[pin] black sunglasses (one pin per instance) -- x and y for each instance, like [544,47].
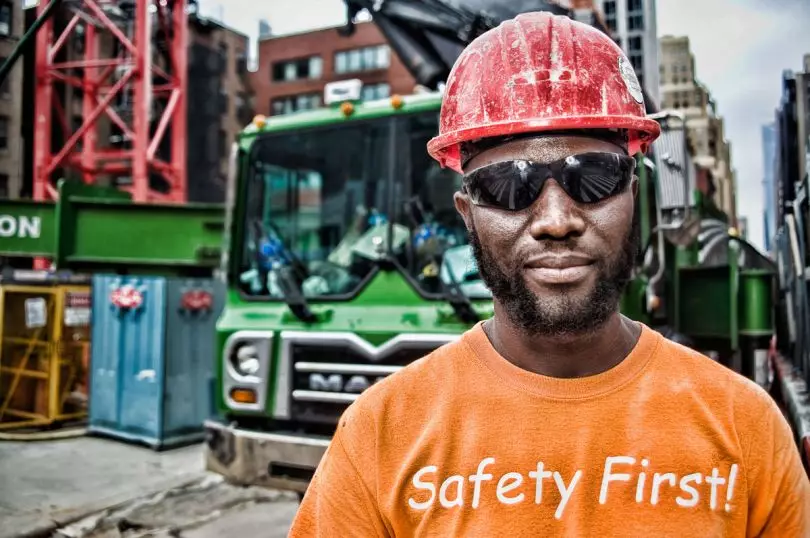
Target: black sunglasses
[587,178]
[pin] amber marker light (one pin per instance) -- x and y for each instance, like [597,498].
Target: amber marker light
[243,396]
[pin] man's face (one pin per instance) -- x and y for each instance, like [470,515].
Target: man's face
[559,267]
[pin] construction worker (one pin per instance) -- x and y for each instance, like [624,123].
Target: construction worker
[558,416]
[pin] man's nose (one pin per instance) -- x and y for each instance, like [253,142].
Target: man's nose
[555,214]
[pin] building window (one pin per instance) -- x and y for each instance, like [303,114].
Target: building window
[371,92]
[223,101]
[635,15]
[365,59]
[301,69]
[610,14]
[5,19]
[241,62]
[4,186]
[315,67]
[294,103]
[637,60]
[5,91]
[3,132]
[223,144]
[634,44]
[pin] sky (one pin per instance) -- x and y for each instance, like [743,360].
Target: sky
[741,48]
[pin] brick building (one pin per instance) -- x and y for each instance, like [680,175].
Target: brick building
[220,104]
[293,69]
[11,144]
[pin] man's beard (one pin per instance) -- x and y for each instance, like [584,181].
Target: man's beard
[559,313]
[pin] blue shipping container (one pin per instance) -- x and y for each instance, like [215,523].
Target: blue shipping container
[152,359]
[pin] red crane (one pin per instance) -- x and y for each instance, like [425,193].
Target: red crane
[131,71]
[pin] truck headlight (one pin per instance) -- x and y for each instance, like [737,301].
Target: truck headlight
[246,360]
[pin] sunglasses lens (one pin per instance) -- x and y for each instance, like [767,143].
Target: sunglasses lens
[515,185]
[591,178]
[512,185]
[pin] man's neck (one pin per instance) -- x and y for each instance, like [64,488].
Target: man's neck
[566,356]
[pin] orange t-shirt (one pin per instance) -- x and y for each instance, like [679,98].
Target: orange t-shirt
[464,443]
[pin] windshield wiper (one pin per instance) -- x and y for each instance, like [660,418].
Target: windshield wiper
[451,291]
[454,295]
[294,296]
[291,291]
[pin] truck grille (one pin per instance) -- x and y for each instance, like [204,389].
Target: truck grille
[326,373]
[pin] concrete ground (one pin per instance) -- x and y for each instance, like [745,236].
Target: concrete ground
[254,520]
[92,488]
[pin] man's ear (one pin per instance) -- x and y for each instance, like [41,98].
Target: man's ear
[462,203]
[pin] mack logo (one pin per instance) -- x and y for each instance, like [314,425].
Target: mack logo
[340,383]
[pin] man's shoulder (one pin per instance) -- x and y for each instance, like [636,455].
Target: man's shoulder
[711,378]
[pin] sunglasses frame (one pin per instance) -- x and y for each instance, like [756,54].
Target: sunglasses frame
[614,163]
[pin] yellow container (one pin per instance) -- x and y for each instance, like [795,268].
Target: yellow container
[44,354]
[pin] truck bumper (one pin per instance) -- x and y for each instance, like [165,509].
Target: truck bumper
[273,460]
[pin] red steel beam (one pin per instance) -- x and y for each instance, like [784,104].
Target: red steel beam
[63,37]
[164,122]
[179,122]
[142,102]
[89,90]
[43,111]
[88,63]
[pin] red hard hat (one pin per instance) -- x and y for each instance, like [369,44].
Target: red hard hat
[540,72]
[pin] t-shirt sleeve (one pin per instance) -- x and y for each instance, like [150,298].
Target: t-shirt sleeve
[341,497]
[779,489]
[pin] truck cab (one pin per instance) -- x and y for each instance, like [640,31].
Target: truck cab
[347,261]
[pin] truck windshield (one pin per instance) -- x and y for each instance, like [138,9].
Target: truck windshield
[439,247]
[320,205]
[315,203]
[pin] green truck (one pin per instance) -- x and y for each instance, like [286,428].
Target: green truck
[347,261]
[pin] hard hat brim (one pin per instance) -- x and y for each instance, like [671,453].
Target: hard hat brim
[445,148]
